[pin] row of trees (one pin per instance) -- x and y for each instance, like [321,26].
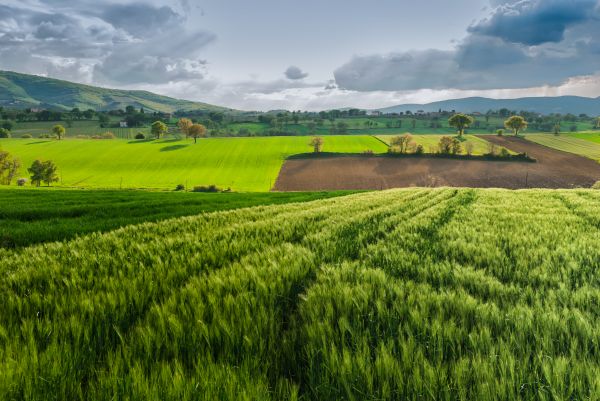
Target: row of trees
[40,171]
[463,121]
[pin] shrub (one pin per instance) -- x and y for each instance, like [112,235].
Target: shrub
[180,187]
[210,188]
[367,152]
[26,136]
[21,182]
[504,152]
[419,150]
[469,148]
[139,135]
[4,133]
[44,136]
[500,132]
[596,185]
[106,135]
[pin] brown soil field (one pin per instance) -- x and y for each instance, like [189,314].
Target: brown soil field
[554,169]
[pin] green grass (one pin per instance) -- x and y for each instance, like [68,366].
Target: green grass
[242,164]
[430,142]
[30,216]
[447,294]
[581,144]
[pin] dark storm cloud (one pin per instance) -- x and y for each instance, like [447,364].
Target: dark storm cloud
[295,73]
[139,19]
[561,40]
[533,22]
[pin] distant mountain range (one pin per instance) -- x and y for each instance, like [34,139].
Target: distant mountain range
[32,91]
[543,105]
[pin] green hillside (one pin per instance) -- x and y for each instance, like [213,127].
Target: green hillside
[25,91]
[417,294]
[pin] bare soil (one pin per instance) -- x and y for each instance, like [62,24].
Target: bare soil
[554,169]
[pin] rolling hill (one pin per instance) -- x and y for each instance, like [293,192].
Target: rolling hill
[544,105]
[24,91]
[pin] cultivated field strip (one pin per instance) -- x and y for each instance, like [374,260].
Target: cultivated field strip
[444,294]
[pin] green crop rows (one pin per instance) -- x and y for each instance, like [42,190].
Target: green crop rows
[447,294]
[579,144]
[29,216]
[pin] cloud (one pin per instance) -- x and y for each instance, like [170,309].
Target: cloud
[295,73]
[534,22]
[496,53]
[102,42]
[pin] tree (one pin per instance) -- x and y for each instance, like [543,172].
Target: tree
[402,143]
[159,129]
[316,143]
[448,145]
[9,167]
[311,125]
[104,120]
[59,131]
[43,172]
[598,123]
[184,125]
[197,131]
[460,122]
[557,129]
[516,123]
[500,132]
[4,133]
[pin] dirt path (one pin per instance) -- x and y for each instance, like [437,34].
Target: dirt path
[554,169]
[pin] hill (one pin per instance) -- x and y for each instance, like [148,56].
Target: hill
[450,294]
[24,91]
[543,105]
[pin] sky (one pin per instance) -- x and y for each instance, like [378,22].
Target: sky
[309,54]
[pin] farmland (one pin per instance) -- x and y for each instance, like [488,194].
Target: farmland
[29,216]
[430,143]
[403,294]
[242,164]
[580,144]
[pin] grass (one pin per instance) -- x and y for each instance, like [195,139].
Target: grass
[447,294]
[30,216]
[586,145]
[430,142]
[242,164]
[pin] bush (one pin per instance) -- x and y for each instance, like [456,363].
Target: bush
[504,152]
[596,185]
[500,132]
[180,187]
[26,136]
[4,133]
[367,152]
[44,136]
[210,188]
[106,135]
[21,182]
[419,150]
[139,135]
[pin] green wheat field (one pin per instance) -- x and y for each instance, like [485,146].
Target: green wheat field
[415,294]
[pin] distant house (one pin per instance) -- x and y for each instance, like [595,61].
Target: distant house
[123,124]
[374,113]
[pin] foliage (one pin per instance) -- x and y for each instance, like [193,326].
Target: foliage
[140,135]
[26,136]
[460,122]
[158,129]
[500,132]
[197,131]
[449,146]
[9,167]
[184,125]
[444,294]
[43,171]
[4,133]
[58,131]
[401,143]
[516,123]
[316,143]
